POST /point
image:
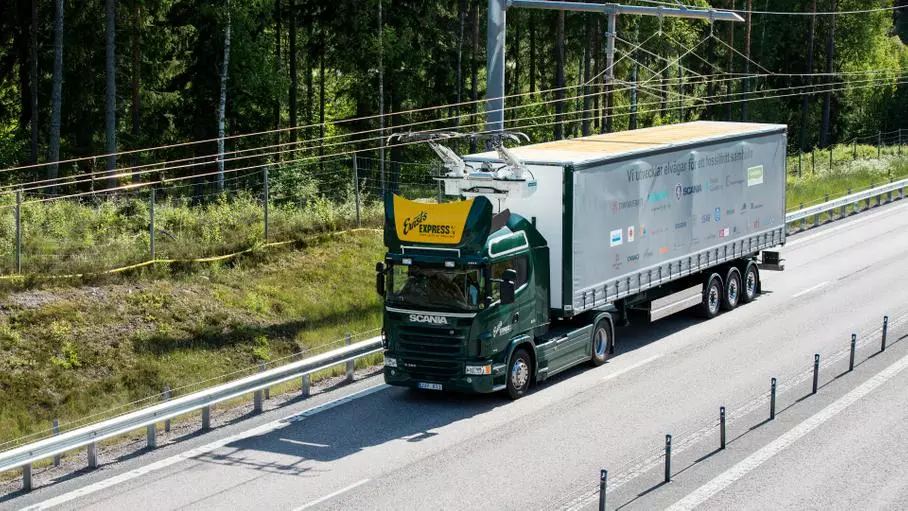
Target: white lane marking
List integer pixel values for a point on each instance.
(198, 451)
(742, 468)
(305, 444)
(331, 495)
(632, 367)
(846, 225)
(814, 288)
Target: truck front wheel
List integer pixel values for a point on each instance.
(519, 370)
(601, 342)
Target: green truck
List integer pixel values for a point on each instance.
(550, 246)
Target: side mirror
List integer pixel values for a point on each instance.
(508, 286)
(380, 279)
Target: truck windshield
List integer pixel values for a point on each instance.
(435, 287)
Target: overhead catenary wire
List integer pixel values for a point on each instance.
(788, 13)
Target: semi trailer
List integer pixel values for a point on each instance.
(548, 247)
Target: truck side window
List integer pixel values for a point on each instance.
(518, 264)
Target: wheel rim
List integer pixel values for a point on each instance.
(520, 373)
(733, 291)
(601, 342)
(714, 299)
(751, 285)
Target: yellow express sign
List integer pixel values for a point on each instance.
(419, 222)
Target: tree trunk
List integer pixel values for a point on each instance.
(136, 78)
(474, 80)
(517, 36)
(632, 123)
(222, 103)
(597, 83)
(830, 56)
(276, 108)
(747, 31)
(321, 104)
(532, 15)
(711, 82)
(808, 80)
(293, 71)
(730, 69)
(462, 8)
(587, 74)
(110, 106)
(33, 81)
(381, 99)
(559, 76)
(53, 150)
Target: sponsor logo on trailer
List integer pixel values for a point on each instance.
(683, 191)
(630, 234)
(615, 237)
(723, 232)
(705, 219)
(717, 215)
(755, 205)
(730, 212)
(663, 250)
(633, 258)
(680, 225)
(428, 318)
(733, 180)
(647, 254)
(755, 175)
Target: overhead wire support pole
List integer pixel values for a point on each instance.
(495, 38)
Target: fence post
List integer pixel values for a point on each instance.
(854, 340)
(266, 203)
(721, 427)
(351, 364)
(167, 398)
(93, 455)
(56, 432)
(27, 477)
(772, 399)
(885, 328)
(356, 189)
(19, 231)
(603, 479)
(151, 225)
(304, 386)
(668, 458)
(816, 372)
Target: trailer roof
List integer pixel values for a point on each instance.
(613, 145)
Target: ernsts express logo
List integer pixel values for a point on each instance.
(418, 223)
(421, 222)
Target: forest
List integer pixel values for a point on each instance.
(81, 80)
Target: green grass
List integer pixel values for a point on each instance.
(70, 352)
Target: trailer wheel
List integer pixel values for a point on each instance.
(732, 294)
(519, 370)
(601, 342)
(750, 283)
(712, 297)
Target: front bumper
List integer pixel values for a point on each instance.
(481, 384)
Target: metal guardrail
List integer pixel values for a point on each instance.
(148, 417)
(25, 455)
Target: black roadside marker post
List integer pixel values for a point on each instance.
(885, 327)
(721, 427)
(816, 372)
(603, 477)
(854, 340)
(772, 399)
(668, 458)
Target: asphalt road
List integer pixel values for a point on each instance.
(394, 449)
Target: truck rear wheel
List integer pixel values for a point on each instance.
(712, 297)
(601, 342)
(732, 294)
(750, 285)
(519, 370)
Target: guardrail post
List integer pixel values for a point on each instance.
(56, 432)
(257, 395)
(151, 436)
(151, 250)
(722, 427)
(872, 186)
(93, 455)
(885, 328)
(878, 197)
(304, 385)
(889, 193)
(854, 340)
(803, 220)
(668, 458)
(266, 390)
(206, 418)
(772, 399)
(267, 197)
(167, 398)
(27, 477)
(816, 372)
(356, 189)
(351, 364)
(19, 231)
(603, 479)
(854, 207)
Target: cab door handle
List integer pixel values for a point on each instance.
(516, 317)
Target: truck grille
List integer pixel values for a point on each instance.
(431, 353)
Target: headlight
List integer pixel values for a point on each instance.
(479, 370)
(390, 362)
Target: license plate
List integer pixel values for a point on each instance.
(429, 386)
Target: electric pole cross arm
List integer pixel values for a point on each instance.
(495, 40)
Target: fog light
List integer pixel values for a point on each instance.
(390, 362)
(479, 370)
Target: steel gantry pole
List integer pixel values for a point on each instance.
(495, 49)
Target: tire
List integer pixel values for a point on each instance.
(712, 297)
(750, 283)
(520, 369)
(732, 289)
(600, 343)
